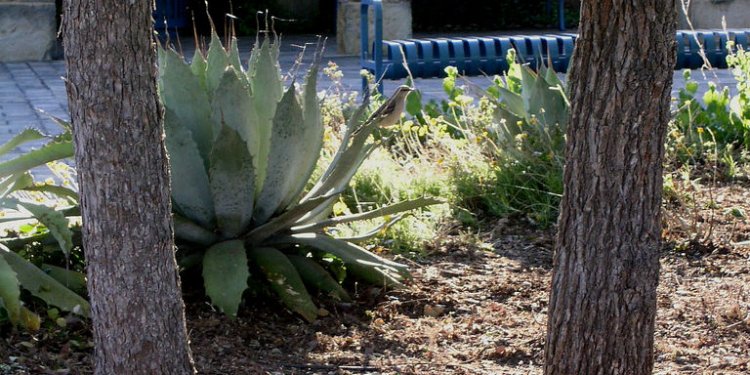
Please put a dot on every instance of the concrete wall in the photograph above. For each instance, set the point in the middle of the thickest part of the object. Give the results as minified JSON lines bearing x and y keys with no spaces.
{"x":708,"y":14}
{"x":396,"y":23}
{"x":27,"y":30}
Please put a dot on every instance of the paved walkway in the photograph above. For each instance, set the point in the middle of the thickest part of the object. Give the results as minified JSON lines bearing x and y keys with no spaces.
{"x":28,"y":88}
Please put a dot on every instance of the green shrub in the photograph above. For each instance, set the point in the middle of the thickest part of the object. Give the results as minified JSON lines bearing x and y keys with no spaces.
{"x":715,"y":128}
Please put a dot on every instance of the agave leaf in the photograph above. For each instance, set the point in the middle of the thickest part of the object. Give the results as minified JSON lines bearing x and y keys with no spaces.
{"x":21,"y":180}
{"x":347,"y":160}
{"x":314,"y":275}
{"x":285,"y":281}
{"x":287,"y":153}
{"x":198,"y":66}
{"x":72,"y":280}
{"x":286,"y":220}
{"x":352,"y":123}
{"x":60,"y":147}
{"x":234,"y":58}
{"x":55,"y":222}
{"x":187,"y":230}
{"x":530,"y":90}
{"x":233,"y":106}
{"x":217,"y":63}
{"x":10,"y":292}
{"x":551,"y":77}
{"x":225,"y":274}
{"x":541,"y":105}
{"x":252,"y":61}
{"x":358,"y":261}
{"x":337,"y":181}
{"x":513,"y":102}
{"x":313,"y":132}
{"x":267,"y":91}
{"x":66,"y":126}
{"x":60,"y":191}
{"x":232,"y":179}
{"x":374,"y":232}
{"x":185,"y":101}
{"x":382,"y":211}
{"x":191,"y":193}
{"x":25,"y":136}
{"x":43,"y":286}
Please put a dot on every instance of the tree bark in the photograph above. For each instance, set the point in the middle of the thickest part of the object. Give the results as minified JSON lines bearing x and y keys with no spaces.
{"x":606,"y":265}
{"x":137,"y":310}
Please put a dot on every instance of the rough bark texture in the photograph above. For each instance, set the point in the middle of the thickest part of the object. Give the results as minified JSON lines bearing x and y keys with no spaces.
{"x":137,"y":310}
{"x":606,"y":265}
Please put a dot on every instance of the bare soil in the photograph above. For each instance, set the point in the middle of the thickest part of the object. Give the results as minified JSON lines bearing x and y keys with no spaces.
{"x":477,"y":305}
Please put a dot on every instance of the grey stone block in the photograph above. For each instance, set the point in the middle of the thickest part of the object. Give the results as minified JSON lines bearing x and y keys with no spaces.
{"x":711,"y":14}
{"x":27,"y":30}
{"x":396,"y":23}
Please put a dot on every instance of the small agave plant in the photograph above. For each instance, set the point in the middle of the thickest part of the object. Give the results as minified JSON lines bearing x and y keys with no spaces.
{"x":242,"y":150}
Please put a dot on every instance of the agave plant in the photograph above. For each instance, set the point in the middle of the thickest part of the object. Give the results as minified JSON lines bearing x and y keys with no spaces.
{"x":242,"y":150}
{"x":51,"y":207}
{"x":530,"y":101}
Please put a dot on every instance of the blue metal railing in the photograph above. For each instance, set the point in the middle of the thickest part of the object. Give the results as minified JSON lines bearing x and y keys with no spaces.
{"x":428,"y":57}
{"x":172,"y":12}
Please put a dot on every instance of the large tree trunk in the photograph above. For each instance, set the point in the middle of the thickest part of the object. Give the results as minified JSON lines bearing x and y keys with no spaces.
{"x":137,"y":310}
{"x":606,"y":264}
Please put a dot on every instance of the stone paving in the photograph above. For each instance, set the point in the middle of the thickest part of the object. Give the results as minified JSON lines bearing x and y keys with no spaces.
{"x":26,"y":89}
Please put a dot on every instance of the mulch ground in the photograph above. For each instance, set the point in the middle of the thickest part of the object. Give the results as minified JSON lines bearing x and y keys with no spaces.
{"x":477,"y":305}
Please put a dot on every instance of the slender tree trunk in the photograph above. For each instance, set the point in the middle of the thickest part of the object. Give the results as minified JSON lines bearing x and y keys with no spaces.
{"x":137,"y":310}
{"x":606,"y":265}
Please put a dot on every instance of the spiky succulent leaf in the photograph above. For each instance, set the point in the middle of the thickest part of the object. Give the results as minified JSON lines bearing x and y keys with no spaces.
{"x":367,"y":236}
{"x":234,"y":58}
{"x":57,"y":190}
{"x":233,"y":106}
{"x":529,"y":89}
{"x":313,"y":132}
{"x":10,"y":292}
{"x":72,"y":280}
{"x":225,"y":274}
{"x":186,"y":101}
{"x":55,"y":222}
{"x":191,"y":192}
{"x":283,"y":222}
{"x":358,"y":261}
{"x":314,"y":275}
{"x":198,"y":66}
{"x":285,"y":281}
{"x":217,"y":63}
{"x":551,"y":76}
{"x":232,"y":179}
{"x":554,"y":109}
{"x":267,"y":90}
{"x":352,"y":123}
{"x":337,"y":181}
{"x":347,"y":160}
{"x":374,"y":214}
{"x":25,"y":136}
{"x":41,"y":285}
{"x":187,"y":230}
{"x":14,"y":182}
{"x":287,"y":155}
{"x":513,"y":102}
{"x":60,"y":147}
